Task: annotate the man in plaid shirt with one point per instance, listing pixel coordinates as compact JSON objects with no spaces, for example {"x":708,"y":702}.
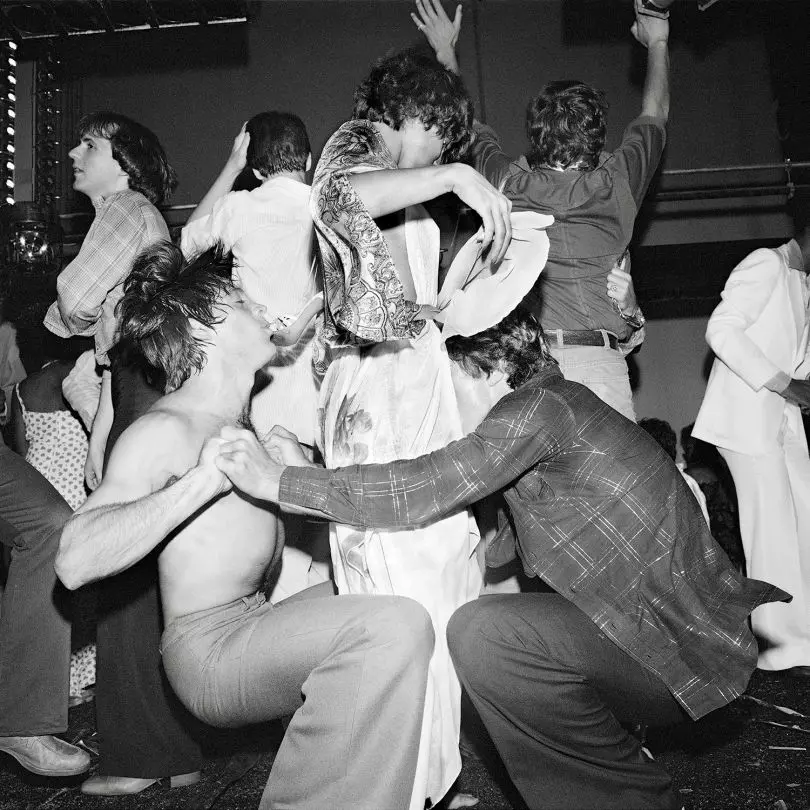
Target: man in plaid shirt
{"x":640,"y":616}
{"x":121,"y":166}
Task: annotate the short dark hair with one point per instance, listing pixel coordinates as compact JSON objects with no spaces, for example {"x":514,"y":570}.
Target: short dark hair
{"x":663,"y":433}
{"x":278,"y":143}
{"x":566,"y":125}
{"x":412,"y":84}
{"x":138,"y":151}
{"x":516,"y":344}
{"x":161,"y":294}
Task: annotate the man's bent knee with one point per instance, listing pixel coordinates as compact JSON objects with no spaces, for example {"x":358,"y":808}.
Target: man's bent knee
{"x":402,"y":623}
{"x":464,"y":637}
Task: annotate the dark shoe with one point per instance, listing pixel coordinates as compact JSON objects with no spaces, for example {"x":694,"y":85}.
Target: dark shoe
{"x":46,"y":755}
{"x":128,"y":785}
{"x":797,"y":672}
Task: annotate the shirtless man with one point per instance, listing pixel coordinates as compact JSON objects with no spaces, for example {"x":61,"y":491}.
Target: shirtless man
{"x":359,"y":663}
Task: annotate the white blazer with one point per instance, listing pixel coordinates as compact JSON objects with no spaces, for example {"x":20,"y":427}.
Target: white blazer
{"x":759,"y":329}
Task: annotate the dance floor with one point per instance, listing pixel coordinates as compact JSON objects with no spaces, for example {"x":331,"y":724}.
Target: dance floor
{"x":752,"y":754}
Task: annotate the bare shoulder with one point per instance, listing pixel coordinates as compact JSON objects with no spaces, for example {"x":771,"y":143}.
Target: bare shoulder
{"x":158,"y":446}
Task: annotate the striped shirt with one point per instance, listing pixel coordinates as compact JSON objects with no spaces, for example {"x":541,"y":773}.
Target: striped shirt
{"x":91,"y":286}
{"x":597,"y":509}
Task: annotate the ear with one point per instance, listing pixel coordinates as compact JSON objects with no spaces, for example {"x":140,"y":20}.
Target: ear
{"x":309,"y":162}
{"x":258,"y":175}
{"x":198,"y":329}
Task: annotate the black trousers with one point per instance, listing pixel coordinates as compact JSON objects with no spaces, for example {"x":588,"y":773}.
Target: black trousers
{"x":34,"y":622}
{"x":553,"y":692}
{"x":144,"y":730}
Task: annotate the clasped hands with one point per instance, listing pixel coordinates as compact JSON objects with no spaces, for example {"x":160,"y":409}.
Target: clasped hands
{"x":238,"y":459}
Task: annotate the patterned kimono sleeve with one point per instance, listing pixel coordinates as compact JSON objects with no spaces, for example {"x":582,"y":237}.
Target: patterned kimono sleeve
{"x":363,"y":291}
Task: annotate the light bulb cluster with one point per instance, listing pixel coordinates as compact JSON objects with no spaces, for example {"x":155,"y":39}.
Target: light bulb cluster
{"x":8,"y":119}
{"x":48,"y":176}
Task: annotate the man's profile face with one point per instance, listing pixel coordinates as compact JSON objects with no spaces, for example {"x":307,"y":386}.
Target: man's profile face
{"x":96,"y":172}
{"x":245,"y":331}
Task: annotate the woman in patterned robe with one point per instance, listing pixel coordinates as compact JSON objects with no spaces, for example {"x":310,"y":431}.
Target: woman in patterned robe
{"x":387,"y":391}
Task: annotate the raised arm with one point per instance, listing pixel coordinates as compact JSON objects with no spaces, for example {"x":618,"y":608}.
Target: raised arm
{"x":227,"y":177}
{"x":440,"y":31}
{"x":138,"y":504}
{"x":389,"y":190}
{"x":653,"y":34}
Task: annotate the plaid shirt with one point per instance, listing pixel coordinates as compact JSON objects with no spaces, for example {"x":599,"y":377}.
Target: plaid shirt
{"x":598,"y":510}
{"x":89,"y":288}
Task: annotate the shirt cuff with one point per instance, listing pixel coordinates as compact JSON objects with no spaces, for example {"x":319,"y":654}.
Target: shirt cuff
{"x":778,"y":383}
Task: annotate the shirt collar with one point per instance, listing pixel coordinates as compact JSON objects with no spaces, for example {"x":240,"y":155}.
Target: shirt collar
{"x":100,"y":201}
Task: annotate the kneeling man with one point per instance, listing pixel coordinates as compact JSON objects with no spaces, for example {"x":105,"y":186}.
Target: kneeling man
{"x":352,"y":669}
{"x":645,"y":620}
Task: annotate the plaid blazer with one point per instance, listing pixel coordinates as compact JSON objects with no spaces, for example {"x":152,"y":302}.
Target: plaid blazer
{"x":598,"y":510}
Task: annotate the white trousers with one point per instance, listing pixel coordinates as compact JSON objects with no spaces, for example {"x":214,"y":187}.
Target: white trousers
{"x":773,"y":496}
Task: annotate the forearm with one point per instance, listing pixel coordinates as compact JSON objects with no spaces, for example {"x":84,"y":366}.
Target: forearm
{"x":655,"y":98}
{"x":108,"y":539}
{"x":102,"y":421}
{"x":389,"y":190}
{"x":222,"y":185}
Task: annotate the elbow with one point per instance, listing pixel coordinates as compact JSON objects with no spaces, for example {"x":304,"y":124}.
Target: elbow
{"x":67,"y":566}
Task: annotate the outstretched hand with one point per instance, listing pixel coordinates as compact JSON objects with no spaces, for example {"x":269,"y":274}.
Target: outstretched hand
{"x":247,"y":464}
{"x":493,"y":207}
{"x":285,"y":449}
{"x":440,"y":32}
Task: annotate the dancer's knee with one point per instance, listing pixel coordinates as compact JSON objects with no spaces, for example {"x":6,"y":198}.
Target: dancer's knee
{"x":405,"y":628}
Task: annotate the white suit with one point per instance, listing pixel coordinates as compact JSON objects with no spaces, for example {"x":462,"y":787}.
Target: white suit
{"x":759,"y":330}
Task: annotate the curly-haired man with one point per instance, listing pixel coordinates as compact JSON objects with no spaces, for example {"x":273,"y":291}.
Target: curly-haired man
{"x":594,"y":197}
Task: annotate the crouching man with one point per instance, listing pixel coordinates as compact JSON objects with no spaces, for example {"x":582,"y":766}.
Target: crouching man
{"x":645,"y":619}
{"x":353,"y":670}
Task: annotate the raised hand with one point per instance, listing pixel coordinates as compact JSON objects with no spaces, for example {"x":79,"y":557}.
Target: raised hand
{"x":649,"y":30}
{"x":440,"y":32}
{"x":493,"y":207}
{"x":247,"y":464}
{"x":237,"y":160}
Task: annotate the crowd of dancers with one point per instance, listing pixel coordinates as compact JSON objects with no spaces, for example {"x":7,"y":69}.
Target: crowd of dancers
{"x":304,"y":453}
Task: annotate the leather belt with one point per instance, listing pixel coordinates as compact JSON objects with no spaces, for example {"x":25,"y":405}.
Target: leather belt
{"x":593,"y":337}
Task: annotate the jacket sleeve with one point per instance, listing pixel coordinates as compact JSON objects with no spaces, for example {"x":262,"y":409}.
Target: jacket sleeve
{"x":747,"y":292}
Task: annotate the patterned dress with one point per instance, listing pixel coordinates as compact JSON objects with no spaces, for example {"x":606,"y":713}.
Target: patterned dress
{"x":387,"y":393}
{"x":57,"y":448}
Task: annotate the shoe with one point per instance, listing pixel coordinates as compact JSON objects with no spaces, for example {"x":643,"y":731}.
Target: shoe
{"x":129,"y":785}
{"x":46,"y":755}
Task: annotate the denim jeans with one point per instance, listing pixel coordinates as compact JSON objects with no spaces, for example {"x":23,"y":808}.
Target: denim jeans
{"x":34,"y":625}
{"x":352,"y":669}
{"x":601,"y":369}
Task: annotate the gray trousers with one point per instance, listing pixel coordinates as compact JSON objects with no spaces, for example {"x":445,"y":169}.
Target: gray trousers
{"x":34,"y":628}
{"x":352,"y":669}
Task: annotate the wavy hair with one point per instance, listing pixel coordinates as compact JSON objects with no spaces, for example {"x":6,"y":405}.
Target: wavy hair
{"x":515,"y":345}
{"x":412,"y":84}
{"x":138,"y":151}
{"x":278,"y":143}
{"x":161,"y":294}
{"x":566,"y":126}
